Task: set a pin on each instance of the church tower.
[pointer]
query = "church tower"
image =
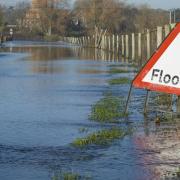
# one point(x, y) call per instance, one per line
point(33, 15)
point(38, 4)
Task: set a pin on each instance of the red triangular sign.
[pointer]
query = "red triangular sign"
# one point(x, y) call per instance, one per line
point(162, 72)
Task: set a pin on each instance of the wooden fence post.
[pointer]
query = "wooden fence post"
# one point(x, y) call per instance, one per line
point(166, 30)
point(89, 41)
point(117, 43)
point(101, 42)
point(148, 45)
point(123, 47)
point(139, 46)
point(113, 43)
point(105, 42)
point(159, 36)
point(127, 45)
point(133, 46)
point(109, 42)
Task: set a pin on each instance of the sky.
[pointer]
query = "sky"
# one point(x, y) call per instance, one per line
point(163, 4)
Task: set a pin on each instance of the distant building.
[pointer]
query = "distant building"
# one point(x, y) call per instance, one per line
point(38, 4)
point(33, 16)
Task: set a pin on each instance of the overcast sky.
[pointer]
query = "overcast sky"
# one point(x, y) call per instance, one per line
point(165, 4)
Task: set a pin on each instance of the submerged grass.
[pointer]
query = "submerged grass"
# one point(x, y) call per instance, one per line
point(123, 65)
point(164, 118)
point(103, 137)
point(117, 81)
point(66, 176)
point(108, 110)
point(83, 130)
point(118, 71)
point(69, 176)
point(164, 99)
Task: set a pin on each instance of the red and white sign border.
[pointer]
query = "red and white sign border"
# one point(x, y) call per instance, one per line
point(138, 83)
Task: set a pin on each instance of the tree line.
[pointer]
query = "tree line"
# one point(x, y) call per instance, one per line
point(83, 16)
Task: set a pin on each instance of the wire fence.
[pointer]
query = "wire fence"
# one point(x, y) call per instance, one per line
point(135, 46)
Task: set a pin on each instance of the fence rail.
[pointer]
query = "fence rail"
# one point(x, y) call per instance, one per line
point(134, 46)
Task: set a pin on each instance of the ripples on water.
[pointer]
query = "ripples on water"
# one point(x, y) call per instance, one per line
point(46, 95)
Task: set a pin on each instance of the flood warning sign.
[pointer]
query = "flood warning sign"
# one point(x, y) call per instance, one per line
point(162, 71)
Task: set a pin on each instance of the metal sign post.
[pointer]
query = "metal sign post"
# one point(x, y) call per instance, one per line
point(162, 72)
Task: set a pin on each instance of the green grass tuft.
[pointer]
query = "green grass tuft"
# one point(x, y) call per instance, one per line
point(163, 99)
point(108, 110)
point(71, 176)
point(119, 81)
point(66, 176)
point(118, 71)
point(83, 130)
point(103, 137)
point(123, 65)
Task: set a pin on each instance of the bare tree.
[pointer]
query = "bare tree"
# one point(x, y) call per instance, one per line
point(15, 15)
point(1, 19)
point(150, 18)
point(116, 16)
point(52, 15)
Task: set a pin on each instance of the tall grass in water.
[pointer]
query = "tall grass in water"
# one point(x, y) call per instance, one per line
point(69, 176)
point(103, 137)
point(108, 110)
point(66, 176)
point(118, 71)
point(117, 81)
point(163, 99)
point(123, 65)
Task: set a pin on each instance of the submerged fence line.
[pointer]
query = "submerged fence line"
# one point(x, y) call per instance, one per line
point(134, 46)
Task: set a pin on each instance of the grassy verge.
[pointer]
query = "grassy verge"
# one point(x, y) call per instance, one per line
point(108, 110)
point(119, 81)
point(103, 137)
point(51, 38)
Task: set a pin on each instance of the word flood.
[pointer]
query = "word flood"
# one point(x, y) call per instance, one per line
point(159, 75)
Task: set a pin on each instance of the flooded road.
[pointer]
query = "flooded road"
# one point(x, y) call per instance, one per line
point(47, 91)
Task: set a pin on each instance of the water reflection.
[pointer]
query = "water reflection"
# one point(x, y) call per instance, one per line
point(97, 54)
point(50, 93)
point(55, 51)
point(46, 68)
point(44, 53)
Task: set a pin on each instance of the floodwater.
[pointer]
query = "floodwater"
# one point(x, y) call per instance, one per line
point(46, 94)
